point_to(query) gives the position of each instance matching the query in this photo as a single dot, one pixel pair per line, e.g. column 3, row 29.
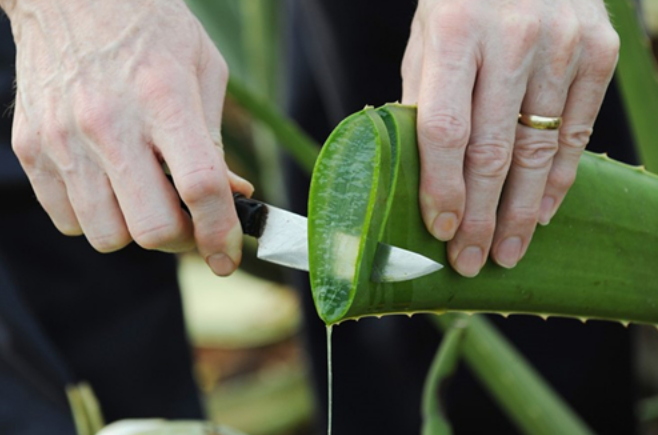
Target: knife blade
column 283, row 239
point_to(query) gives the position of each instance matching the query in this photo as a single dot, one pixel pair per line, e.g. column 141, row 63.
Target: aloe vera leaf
column 226, row 23
column 291, row 138
column 595, row 260
column 443, row 367
column 522, row 393
column 636, row 73
column 345, row 245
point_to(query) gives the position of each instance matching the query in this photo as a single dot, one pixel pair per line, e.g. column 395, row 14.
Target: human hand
column 472, row 66
column 108, row 91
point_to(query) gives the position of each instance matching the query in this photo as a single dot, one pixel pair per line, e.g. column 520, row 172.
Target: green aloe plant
column 586, row 264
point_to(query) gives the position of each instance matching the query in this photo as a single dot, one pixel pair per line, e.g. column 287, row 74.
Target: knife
column 282, row 239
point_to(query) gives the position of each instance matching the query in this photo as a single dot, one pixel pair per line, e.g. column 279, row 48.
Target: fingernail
column 546, row 210
column 225, row 263
column 221, row 264
column 444, row 226
column 509, row 252
column 469, row 261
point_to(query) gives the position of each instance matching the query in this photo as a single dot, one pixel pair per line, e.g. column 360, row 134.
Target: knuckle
column 443, row 190
column 483, row 227
column 158, row 235
column 222, row 66
column 603, row 47
column 522, row 28
column 489, row 159
column 575, row 138
column 564, row 37
column 562, row 178
column 522, row 217
column 519, row 34
column 449, row 14
column 156, row 87
column 108, row 242
column 25, row 147
column 215, row 65
column 198, row 185
column 536, row 154
column 444, row 130
column 94, row 119
column 55, row 134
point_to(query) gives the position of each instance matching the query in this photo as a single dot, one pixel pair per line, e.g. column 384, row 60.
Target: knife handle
column 252, row 214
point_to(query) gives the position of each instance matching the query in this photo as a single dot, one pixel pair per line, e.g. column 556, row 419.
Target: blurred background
column 250, row 361
column 245, row 329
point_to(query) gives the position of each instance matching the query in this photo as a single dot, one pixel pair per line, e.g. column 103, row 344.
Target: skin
column 472, row 66
column 109, row 90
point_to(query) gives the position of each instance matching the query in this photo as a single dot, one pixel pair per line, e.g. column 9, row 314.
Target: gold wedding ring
column 540, row 122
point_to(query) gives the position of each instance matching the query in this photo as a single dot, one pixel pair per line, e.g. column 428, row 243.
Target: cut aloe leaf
column 597, row 258
column 344, row 246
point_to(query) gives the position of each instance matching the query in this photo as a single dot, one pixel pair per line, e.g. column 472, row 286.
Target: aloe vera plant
column 585, row 264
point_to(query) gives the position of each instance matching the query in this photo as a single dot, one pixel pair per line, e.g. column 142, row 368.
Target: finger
column 582, row 106
column 211, row 87
column 50, row 191
column 151, row 205
column 96, row 208
column 553, row 71
column 496, row 101
column 412, row 65
column 201, row 178
column 48, row 187
column 531, row 161
column 444, row 113
column 240, row 185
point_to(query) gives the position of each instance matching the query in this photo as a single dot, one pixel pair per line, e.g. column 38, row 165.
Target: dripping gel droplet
column 329, row 380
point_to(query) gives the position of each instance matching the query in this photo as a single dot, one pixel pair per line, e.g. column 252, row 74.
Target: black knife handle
column 252, row 215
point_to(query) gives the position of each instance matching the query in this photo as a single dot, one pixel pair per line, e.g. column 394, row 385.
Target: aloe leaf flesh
column 596, row 259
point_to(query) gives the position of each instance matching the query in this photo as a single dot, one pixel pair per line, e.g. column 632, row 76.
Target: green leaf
column 87, row 416
column 442, row 368
column 647, row 409
column 637, row 76
column 595, row 260
column 291, row 138
column 526, row 398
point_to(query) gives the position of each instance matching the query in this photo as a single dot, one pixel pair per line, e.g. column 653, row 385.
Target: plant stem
column 304, row 149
